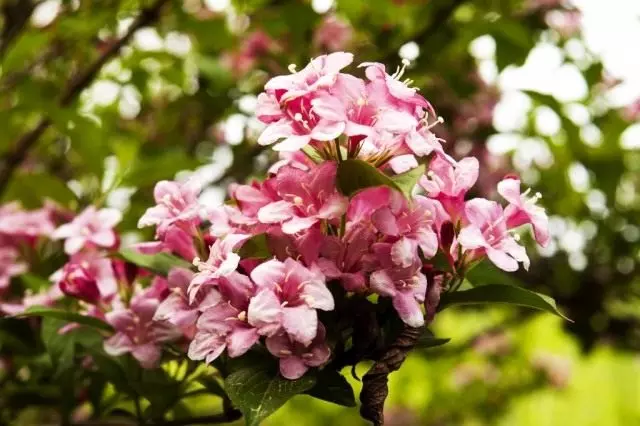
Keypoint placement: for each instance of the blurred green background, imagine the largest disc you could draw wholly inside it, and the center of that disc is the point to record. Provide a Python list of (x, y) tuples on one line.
[(548, 89)]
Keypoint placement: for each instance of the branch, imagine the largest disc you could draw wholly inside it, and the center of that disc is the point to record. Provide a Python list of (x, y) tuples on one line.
[(374, 383), (16, 15), (14, 158)]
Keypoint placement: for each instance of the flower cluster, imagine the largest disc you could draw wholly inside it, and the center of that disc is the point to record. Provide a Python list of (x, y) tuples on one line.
[(320, 243)]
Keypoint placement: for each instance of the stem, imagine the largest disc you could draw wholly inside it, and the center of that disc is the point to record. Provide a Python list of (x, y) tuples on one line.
[(25, 143), (374, 383)]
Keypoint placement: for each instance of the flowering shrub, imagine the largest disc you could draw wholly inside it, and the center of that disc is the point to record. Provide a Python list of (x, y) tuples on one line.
[(358, 236)]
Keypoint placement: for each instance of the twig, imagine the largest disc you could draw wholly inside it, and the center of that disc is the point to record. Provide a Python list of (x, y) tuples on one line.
[(374, 383), (22, 147)]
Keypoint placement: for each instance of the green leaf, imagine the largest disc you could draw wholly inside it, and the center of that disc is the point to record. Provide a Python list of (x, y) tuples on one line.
[(62, 347), (32, 188), (408, 180), (499, 293), (256, 247), (428, 340), (40, 311), (486, 272), (212, 385), (160, 263), (260, 390), (331, 386), (355, 175)]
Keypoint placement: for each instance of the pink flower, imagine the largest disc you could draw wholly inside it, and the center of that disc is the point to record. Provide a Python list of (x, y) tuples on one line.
[(287, 109), (394, 91), (348, 260), (333, 34), (89, 278), (321, 72), (487, 232), (307, 198), (177, 203), (136, 331), (296, 358), (288, 296), (222, 261), (408, 227), (406, 286), (176, 308), (9, 266), (522, 210), (449, 183), (92, 227), (224, 325), (15, 222)]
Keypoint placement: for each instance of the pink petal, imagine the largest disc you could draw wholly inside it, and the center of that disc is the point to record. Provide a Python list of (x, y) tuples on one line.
[(153, 216), (301, 323), (327, 130), (297, 224), (292, 367), (502, 260), (403, 163), (384, 220), (104, 238), (334, 207), (403, 252), (72, 245), (268, 274), (275, 212), (510, 190), (118, 344), (206, 345), (147, 355), (471, 238), (318, 295), (408, 309), (240, 340), (265, 312), (382, 283), (293, 143), (428, 241), (275, 131)]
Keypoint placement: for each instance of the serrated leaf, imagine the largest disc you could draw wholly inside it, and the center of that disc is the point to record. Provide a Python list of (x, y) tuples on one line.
[(355, 175), (408, 180), (160, 263), (72, 317), (500, 293), (260, 390), (331, 386)]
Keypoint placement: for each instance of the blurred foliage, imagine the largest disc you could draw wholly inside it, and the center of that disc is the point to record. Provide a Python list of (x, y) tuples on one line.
[(172, 97)]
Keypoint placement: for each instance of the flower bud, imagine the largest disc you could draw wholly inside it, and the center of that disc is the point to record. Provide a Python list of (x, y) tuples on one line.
[(78, 282)]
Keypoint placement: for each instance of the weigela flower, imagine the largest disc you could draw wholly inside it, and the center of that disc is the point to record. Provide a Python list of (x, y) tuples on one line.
[(88, 277), (177, 204), (296, 358), (92, 227), (406, 286), (307, 197), (487, 233), (288, 296), (137, 332), (523, 210)]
